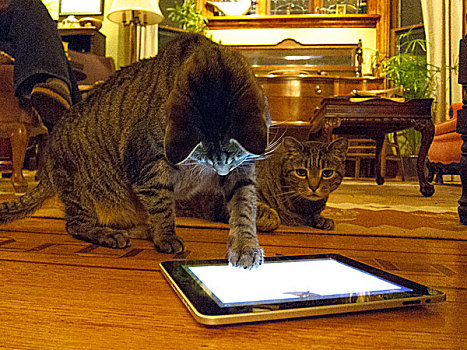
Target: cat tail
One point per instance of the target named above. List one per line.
(25, 205)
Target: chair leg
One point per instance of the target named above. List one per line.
(357, 167)
(18, 134)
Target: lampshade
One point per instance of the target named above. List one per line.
(122, 9)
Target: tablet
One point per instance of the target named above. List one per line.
(284, 287)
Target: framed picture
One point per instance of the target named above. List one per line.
(340, 9)
(81, 7)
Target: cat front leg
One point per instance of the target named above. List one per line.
(158, 201)
(155, 193)
(244, 249)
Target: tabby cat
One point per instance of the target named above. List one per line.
(164, 128)
(294, 183)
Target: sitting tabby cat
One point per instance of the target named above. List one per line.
(294, 183)
(158, 130)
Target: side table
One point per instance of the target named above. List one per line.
(374, 118)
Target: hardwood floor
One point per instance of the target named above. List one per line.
(60, 293)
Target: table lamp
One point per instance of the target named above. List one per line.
(135, 13)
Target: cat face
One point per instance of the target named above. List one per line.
(312, 169)
(223, 157)
(217, 113)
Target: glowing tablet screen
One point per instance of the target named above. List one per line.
(277, 282)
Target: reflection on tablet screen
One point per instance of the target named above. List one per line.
(276, 282)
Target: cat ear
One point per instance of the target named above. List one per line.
(179, 143)
(181, 134)
(252, 136)
(251, 126)
(339, 148)
(292, 144)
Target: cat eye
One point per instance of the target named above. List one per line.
(301, 172)
(326, 173)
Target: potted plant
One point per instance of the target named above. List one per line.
(188, 17)
(419, 79)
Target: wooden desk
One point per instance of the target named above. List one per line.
(375, 118)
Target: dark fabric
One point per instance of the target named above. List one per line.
(28, 33)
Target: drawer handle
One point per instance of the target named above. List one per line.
(318, 90)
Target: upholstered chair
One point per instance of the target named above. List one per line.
(444, 154)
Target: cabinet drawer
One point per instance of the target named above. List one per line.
(292, 109)
(296, 87)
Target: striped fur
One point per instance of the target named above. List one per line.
(282, 196)
(294, 183)
(160, 130)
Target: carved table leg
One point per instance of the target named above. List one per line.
(379, 146)
(427, 129)
(18, 135)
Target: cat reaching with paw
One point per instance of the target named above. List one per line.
(188, 121)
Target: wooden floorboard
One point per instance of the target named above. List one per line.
(124, 308)
(57, 292)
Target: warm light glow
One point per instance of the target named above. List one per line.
(148, 10)
(296, 58)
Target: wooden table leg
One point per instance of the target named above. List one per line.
(427, 129)
(379, 146)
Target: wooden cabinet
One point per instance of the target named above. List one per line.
(84, 40)
(296, 77)
(376, 18)
(296, 7)
(293, 99)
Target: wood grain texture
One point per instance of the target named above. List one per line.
(60, 293)
(293, 21)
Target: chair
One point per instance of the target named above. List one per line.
(92, 69)
(18, 122)
(364, 148)
(445, 151)
(360, 149)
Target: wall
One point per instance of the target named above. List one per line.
(117, 37)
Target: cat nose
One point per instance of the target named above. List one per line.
(313, 183)
(221, 169)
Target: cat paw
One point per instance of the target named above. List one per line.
(267, 219)
(246, 258)
(169, 244)
(115, 239)
(322, 223)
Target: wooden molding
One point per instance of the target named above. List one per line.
(293, 21)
